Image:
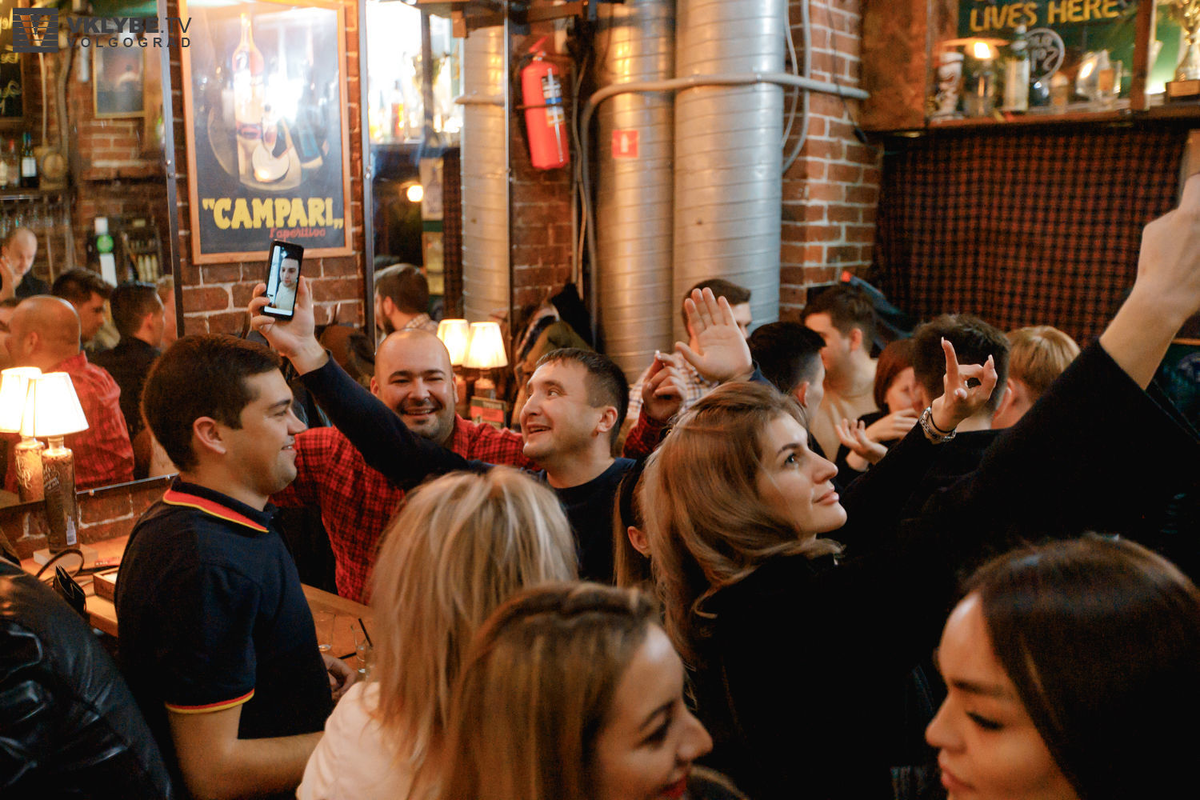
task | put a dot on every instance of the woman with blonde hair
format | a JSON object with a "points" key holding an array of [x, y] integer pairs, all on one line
{"points": [[461, 546], [799, 645], [573, 692]]}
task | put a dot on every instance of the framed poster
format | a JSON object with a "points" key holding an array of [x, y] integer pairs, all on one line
{"points": [[119, 82], [268, 146], [12, 71]]}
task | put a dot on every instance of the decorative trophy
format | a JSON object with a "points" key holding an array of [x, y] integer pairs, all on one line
{"points": [[1186, 85]]}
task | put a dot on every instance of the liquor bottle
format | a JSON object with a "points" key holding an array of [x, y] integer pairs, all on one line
{"points": [[248, 69], [399, 124], [13, 163], [1016, 74], [29, 176]]}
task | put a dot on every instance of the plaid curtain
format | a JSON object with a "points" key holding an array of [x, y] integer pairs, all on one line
{"points": [[1022, 227]]}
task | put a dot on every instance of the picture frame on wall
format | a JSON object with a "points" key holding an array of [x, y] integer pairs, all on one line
{"points": [[119, 81], [14, 73], [265, 116]]}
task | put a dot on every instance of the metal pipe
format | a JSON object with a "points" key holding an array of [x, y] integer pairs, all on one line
{"points": [[368, 180], [508, 177], [168, 114]]}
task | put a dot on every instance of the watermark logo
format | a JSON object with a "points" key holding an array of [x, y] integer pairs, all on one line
{"points": [[35, 30]]}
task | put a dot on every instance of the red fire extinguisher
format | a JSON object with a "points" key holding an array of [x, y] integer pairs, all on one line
{"points": [[545, 117]]}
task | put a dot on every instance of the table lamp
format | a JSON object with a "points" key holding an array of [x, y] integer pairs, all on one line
{"points": [[486, 352], [14, 398], [57, 412], [456, 335]]}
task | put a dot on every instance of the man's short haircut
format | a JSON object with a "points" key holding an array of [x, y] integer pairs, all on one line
{"points": [[734, 294], [894, 359], [405, 286], [787, 353], [606, 383], [973, 339], [201, 376], [77, 286], [130, 303], [848, 308], [1038, 355], [10, 302]]}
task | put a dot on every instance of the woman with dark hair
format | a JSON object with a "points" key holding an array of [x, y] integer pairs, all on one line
{"points": [[1067, 667], [798, 659], [573, 692], [867, 440]]}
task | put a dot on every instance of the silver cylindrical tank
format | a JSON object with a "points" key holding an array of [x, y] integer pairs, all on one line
{"points": [[635, 42], [485, 250], [728, 192]]}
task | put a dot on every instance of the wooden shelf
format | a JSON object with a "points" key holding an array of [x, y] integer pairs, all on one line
{"points": [[1176, 111], [30, 194]]}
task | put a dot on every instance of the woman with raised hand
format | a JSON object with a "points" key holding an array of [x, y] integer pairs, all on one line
{"points": [[797, 657], [573, 692], [463, 544], [866, 440], [1068, 668]]}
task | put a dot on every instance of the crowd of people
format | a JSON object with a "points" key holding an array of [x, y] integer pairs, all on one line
{"points": [[694, 602]]}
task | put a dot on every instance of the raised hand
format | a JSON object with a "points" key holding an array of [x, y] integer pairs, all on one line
{"points": [[294, 339], [967, 388], [894, 426], [663, 389], [854, 435], [721, 353]]}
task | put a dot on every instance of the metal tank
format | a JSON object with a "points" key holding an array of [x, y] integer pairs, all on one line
{"points": [[635, 42], [485, 250], [728, 192]]}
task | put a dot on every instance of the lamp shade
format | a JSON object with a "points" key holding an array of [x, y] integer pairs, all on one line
{"points": [[14, 391], [455, 334], [56, 409], [487, 347]]}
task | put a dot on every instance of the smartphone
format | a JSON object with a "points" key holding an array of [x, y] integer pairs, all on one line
{"points": [[283, 278]]}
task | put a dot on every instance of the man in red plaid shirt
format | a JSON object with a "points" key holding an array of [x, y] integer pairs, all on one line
{"points": [[414, 378], [44, 333]]}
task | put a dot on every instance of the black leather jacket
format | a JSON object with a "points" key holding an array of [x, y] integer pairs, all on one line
{"points": [[69, 726]]}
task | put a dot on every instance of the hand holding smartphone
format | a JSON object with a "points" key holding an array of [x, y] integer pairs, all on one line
{"points": [[283, 278]]}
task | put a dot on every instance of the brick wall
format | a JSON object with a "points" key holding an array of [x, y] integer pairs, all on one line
{"points": [[541, 212], [831, 192], [103, 514], [215, 295]]}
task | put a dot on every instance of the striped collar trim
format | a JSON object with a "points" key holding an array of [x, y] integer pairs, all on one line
{"points": [[174, 497]]}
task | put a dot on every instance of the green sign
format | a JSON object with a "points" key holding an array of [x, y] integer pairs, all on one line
{"points": [[1061, 32]]}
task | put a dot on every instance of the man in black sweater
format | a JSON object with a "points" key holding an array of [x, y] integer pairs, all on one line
{"points": [[576, 405], [138, 315]]}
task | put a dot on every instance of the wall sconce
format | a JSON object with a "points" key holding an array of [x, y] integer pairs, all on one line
{"points": [[486, 352], [15, 398], [57, 413], [456, 335]]}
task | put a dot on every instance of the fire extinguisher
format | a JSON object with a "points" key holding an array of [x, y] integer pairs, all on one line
{"points": [[545, 117]]}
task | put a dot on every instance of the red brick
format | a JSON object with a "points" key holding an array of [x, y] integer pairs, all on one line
{"points": [[339, 267], [861, 154], [844, 254], [860, 233], [230, 322], [822, 233], [815, 212], [828, 192], [862, 194], [830, 149], [838, 213], [242, 292], [110, 505], [530, 234], [327, 289], [845, 173], [221, 273], [205, 298]]}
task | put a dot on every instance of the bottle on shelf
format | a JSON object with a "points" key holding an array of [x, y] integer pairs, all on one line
{"points": [[1016, 74], [29, 174], [12, 164]]}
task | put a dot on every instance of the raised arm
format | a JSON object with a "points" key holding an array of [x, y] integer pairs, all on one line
{"points": [[380, 435]]}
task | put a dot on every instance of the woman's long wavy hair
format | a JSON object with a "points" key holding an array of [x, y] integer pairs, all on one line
{"points": [[537, 689], [707, 524], [1102, 640], [463, 544]]}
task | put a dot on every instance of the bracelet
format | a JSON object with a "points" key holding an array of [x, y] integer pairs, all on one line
{"points": [[932, 432]]}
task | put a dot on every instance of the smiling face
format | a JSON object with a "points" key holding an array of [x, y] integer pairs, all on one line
{"points": [[649, 741], [260, 453], [796, 483], [989, 747], [903, 394], [558, 419], [413, 377]]}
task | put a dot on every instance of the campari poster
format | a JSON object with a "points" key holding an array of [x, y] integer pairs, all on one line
{"points": [[267, 133]]}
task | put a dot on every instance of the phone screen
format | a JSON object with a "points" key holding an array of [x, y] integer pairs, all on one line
{"points": [[283, 278]]}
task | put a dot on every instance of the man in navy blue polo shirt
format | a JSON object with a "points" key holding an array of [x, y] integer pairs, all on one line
{"points": [[216, 637]]}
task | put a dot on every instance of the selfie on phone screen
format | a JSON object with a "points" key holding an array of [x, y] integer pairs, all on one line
{"points": [[283, 279]]}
